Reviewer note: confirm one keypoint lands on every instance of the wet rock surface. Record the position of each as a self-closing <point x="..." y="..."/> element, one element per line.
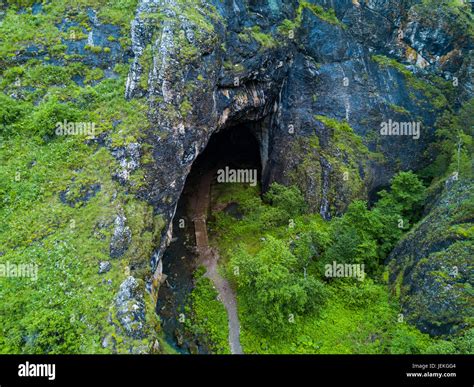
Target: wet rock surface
<point x="431" y="269"/>
<point x="227" y="65"/>
<point x="131" y="308"/>
<point x="121" y="237"/>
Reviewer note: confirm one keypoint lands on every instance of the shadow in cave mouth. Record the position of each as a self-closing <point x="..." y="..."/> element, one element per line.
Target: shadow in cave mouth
<point x="235" y="148"/>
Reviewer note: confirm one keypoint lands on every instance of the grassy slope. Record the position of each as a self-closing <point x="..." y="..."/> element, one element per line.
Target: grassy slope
<point x="67" y="310"/>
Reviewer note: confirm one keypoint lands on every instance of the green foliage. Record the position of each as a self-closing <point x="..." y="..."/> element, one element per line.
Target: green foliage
<point x="185" y="108"/>
<point x="273" y="282"/>
<point x="208" y="319"/>
<point x="266" y="41"/>
<point x="273" y="263"/>
<point x="387" y="62"/>
<point x="20" y="29"/>
<point x="69" y="307"/>
<point x="11" y="111"/>
<point x="46" y="115"/>
<point x="328" y="15"/>
<point x="454" y="148"/>
<point x="287" y="199"/>
<point x="287" y="27"/>
<point x="354" y="237"/>
<point x="366" y="236"/>
<point x="406" y="196"/>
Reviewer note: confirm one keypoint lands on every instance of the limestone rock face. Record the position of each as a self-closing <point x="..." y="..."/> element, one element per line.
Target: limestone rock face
<point x="120" y="238"/>
<point x="294" y="72"/>
<point x="431" y="269"/>
<point x="131" y="308"/>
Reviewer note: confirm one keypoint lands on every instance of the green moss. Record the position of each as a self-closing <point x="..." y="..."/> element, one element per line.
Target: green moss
<point x="208" y="315"/>
<point x="266" y="41"/>
<point x="288" y="27"/>
<point x="328" y="15"/>
<point x="146" y="62"/>
<point x="429" y="91"/>
<point x="41" y="28"/>
<point x="94" y="49"/>
<point x="185" y="108"/>
<point x="94" y="74"/>
<point x="386" y="62"/>
<point x="399" y="109"/>
<point x="234" y="67"/>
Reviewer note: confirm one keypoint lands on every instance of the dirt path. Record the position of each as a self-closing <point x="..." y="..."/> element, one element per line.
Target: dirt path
<point x="208" y="258"/>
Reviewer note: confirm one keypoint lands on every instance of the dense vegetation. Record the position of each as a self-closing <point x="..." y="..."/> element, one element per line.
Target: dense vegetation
<point x="288" y="305"/>
<point x="60" y="198"/>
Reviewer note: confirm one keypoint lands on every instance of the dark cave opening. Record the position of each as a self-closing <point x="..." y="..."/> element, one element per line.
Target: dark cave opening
<point x="236" y="148"/>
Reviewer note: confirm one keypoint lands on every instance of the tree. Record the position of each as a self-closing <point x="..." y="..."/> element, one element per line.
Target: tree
<point x="354" y="237"/>
<point x="288" y="199"/>
<point x="274" y="287"/>
<point x="406" y="195"/>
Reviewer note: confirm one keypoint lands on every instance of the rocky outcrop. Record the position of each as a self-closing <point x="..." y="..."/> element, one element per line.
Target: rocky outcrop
<point x="121" y="237"/>
<point x="300" y="73"/>
<point x="131" y="308"/>
<point x="431" y="268"/>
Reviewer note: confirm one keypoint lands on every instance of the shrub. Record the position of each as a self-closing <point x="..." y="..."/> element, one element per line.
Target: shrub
<point x="288" y="199"/>
<point x="11" y="110"/>
<point x="274" y="286"/>
<point x="42" y="121"/>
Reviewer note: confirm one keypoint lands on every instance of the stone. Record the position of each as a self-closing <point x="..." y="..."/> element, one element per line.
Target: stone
<point x="431" y="267"/>
<point x="131" y="308"/>
<point x="121" y="237"/>
<point x="104" y="267"/>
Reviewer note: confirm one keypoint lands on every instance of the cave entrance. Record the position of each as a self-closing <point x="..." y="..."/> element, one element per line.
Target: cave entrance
<point x="235" y="148"/>
<point x="231" y="155"/>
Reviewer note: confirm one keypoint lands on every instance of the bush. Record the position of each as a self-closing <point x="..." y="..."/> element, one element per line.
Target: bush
<point x="11" y="111"/>
<point x="288" y="199"/>
<point x="408" y="340"/>
<point x="354" y="237"/>
<point x="274" y="286"/>
<point x="44" y="118"/>
<point x="406" y="195"/>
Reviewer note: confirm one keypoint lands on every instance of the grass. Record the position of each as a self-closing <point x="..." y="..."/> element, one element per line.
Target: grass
<point x="208" y="315"/>
<point x="358" y="317"/>
<point x="69" y="309"/>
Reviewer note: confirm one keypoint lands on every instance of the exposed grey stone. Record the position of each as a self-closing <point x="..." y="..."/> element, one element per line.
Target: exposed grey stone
<point x="129" y="160"/>
<point x="121" y="237"/>
<point x="131" y="308"/>
<point x="104" y="267"/>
